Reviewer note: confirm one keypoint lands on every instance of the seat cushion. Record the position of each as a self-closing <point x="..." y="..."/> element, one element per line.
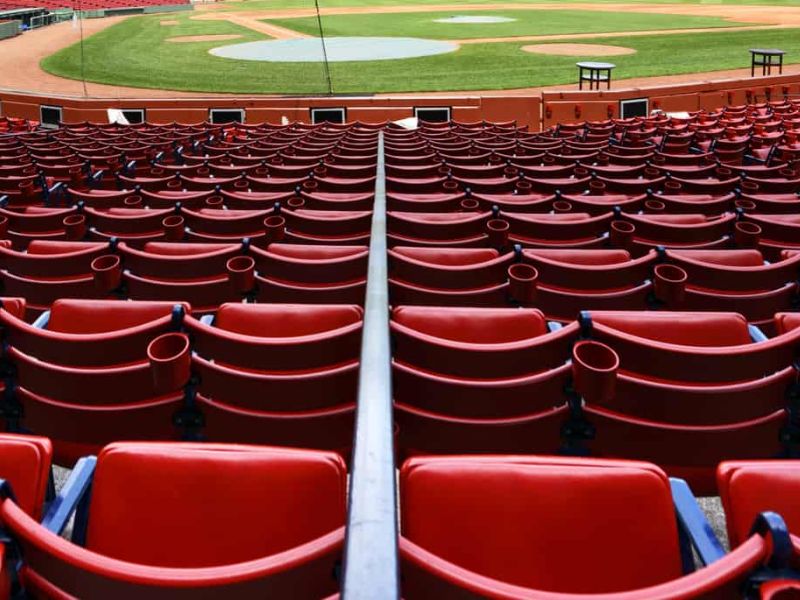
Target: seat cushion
<point x="198" y="505"/>
<point x="556" y="524"/>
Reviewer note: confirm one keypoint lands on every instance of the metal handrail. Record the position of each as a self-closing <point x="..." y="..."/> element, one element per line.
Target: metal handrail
<point x="371" y="558"/>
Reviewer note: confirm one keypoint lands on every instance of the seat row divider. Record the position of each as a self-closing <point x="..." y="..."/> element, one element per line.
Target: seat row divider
<point x="371" y="555"/>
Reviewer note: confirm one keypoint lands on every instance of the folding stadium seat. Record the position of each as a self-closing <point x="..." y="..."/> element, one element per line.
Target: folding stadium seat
<point x="690" y="172"/>
<point x="769" y="203"/>
<point x="711" y="393"/>
<point x="296" y="273"/>
<point x="478" y="379"/>
<point x="457" y="542"/>
<point x="25" y="464"/>
<point x="337" y="201"/>
<point x="23" y="190"/>
<point x="559" y="230"/>
<point x="220" y="226"/>
<point x="785" y="183"/>
<point x="135" y="226"/>
<point x="93" y="373"/>
<point x="237" y="200"/>
<point x="448" y="276"/>
<point x="49" y="270"/>
<point x="549" y="171"/>
<point x="599" y="202"/>
<point x="639" y="233"/>
<point x="272" y="525"/>
<point x="32" y="222"/>
<point x="677" y="202"/>
<point x="152" y="184"/>
<point x="732" y="280"/>
<point x="279" y="373"/>
<point x="438" y="228"/>
<point x="524" y="201"/>
<point x="100" y="198"/>
<point x="195" y="273"/>
<point x="774" y="233"/>
<point x="750" y="487"/>
<point x="561" y="283"/>
<point x="326" y="227"/>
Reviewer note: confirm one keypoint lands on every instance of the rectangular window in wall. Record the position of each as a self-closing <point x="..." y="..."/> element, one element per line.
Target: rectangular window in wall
<point x="220" y="116"/>
<point x="328" y="115"/>
<point x="636" y="107"/>
<point x="50" y="116"/>
<point x="134" y="116"/>
<point x="433" y="114"/>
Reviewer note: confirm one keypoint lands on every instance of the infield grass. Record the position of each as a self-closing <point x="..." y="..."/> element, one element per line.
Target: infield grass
<point x="526" y="22"/>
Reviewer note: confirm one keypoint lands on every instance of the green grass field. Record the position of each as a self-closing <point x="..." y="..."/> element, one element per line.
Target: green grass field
<point x="528" y="22"/>
<point x="134" y="53"/>
<point x="247" y="5"/>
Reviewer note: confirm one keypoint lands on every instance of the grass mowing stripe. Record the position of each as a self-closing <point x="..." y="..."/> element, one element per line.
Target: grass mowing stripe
<point x="528" y="22"/>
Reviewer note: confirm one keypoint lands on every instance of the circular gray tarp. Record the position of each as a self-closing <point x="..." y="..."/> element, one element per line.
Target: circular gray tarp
<point x="339" y="49"/>
<point x="474" y="19"/>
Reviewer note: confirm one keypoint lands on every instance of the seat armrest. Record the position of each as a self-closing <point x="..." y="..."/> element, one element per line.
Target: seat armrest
<point x="74" y="494"/>
<point x="693" y="523"/>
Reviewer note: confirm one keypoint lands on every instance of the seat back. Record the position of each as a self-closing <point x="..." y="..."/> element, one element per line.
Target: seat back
<point x="555" y="524"/>
<point x="285" y="320"/>
<point x="471" y="326"/>
<point x="785" y="322"/>
<point x="200" y="505"/>
<point x="102" y="316"/>
<point x="25" y="463"/>
<point x="684" y="328"/>
<point x="748" y="488"/>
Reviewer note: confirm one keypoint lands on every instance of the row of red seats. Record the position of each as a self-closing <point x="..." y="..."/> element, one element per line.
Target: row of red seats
<point x="683" y="390"/>
<point x="562" y="282"/>
<point x="272" y="524"/>
<point x="205" y="275"/>
<point x="636" y="232"/>
<point x="91" y="372"/>
<point x="199" y="159"/>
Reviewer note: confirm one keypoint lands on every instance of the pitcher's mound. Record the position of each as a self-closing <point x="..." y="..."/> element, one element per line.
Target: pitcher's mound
<point x="203" y="38"/>
<point x="578" y="49"/>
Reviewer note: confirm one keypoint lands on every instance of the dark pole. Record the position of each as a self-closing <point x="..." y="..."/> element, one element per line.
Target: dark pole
<point x="83" y="75"/>
<point x="324" y="49"/>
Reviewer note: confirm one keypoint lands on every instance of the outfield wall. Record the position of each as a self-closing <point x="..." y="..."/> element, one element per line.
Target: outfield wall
<point x="535" y="110"/>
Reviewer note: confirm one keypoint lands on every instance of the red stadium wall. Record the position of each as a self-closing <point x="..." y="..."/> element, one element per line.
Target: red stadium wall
<point x="526" y="109"/>
<point x="537" y="110"/>
<point x="564" y="106"/>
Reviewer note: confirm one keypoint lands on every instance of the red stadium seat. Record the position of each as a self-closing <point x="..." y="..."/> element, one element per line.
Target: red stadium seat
<point x="25" y="464"/>
<point x="747" y="488"/>
<point x="279" y="537"/>
<point x="510" y="543"/>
